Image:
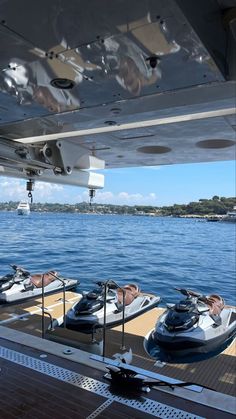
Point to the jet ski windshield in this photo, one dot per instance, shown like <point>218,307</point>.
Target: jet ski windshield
<point>186,305</point>
<point>90,302</point>
<point>93,295</point>
<point>182,316</point>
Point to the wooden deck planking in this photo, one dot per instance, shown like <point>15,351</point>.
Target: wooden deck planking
<point>50,394</point>
<point>26,393</point>
<point>31,311</point>
<point>39,399</point>
<point>218,373</point>
<point>35,304</point>
<point>117,411</point>
<point>35,394</point>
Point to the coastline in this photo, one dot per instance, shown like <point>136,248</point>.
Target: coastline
<point>214,209</point>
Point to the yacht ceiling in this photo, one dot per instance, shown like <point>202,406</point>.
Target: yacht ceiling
<point>150,83</point>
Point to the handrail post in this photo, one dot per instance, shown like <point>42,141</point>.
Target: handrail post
<point>64,304</point>
<point>123,322</point>
<point>43,307</point>
<point>64,297</point>
<point>104,317</point>
<point>51,320</point>
<point>104,320</point>
<point>93,339</point>
<point>43,319</point>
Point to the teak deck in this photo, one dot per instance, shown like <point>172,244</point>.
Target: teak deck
<point>31,389</point>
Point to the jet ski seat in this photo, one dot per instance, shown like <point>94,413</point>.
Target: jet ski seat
<point>131,292</point>
<point>37,279</point>
<point>215,304</point>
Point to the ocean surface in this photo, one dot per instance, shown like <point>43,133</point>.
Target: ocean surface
<point>157,253</point>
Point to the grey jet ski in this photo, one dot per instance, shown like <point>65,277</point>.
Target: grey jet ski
<point>110,302</point>
<point>195,328</point>
<point>21,284</point>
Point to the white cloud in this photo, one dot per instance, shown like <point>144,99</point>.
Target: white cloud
<point>11,190</point>
<point>45,190</point>
<point>124,198</point>
<point>104,197</point>
<point>129,197</point>
<point>15,190</point>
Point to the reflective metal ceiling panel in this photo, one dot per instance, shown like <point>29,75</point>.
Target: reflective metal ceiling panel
<point>103,77</point>
<point>110,53</point>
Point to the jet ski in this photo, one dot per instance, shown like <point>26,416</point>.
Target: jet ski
<point>21,284</point>
<point>194,329</point>
<point>110,302</point>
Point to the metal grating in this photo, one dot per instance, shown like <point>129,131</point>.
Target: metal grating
<point>90,384</point>
<point>100,409</point>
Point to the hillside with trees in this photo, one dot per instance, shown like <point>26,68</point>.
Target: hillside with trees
<point>214,206</point>
<point>204,207</point>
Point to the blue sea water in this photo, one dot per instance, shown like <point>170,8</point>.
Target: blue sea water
<point>157,253</point>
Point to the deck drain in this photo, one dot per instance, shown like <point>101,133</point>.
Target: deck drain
<point>68,351</point>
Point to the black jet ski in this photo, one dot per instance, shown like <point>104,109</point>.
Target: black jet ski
<point>21,284</point>
<point>195,328</point>
<point>110,302</point>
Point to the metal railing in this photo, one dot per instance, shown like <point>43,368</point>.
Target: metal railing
<point>44,312</point>
<point>110,284</point>
<point>107,285</point>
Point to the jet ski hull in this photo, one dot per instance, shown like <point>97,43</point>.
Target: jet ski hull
<point>201,342</point>
<point>175,343</point>
<point>91,322</point>
<point>17,292</point>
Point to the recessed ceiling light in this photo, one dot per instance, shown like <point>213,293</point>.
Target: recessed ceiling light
<point>154,149</point>
<point>115,111</point>
<point>61,83</point>
<point>110,122</point>
<point>211,144</point>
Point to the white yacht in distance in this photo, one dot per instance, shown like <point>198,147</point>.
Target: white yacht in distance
<point>231,216</point>
<point>23,208</point>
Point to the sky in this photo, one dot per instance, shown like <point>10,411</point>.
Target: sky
<point>156,186</point>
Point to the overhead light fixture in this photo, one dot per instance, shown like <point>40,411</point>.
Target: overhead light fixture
<point>154,149</point>
<point>214,144</point>
<point>62,83</point>
<point>129,125</point>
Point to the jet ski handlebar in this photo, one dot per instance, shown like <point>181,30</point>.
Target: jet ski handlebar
<point>27,274</point>
<point>18,269</point>
<point>112,285</point>
<point>189,293</point>
<point>109,284</point>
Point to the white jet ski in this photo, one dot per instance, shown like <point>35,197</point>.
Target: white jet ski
<point>193,329</point>
<point>22,285</point>
<point>109,302</point>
